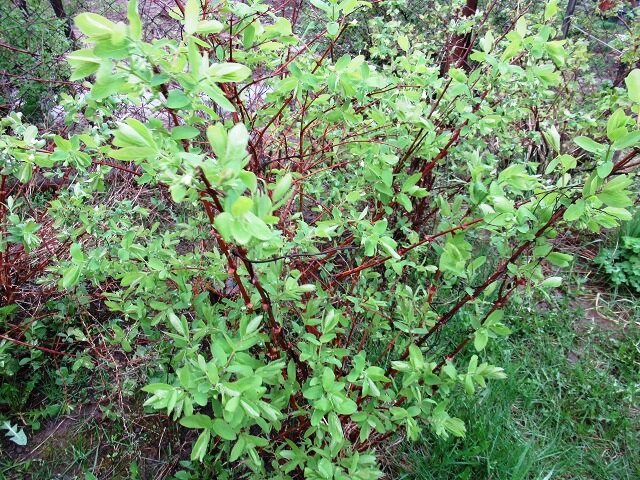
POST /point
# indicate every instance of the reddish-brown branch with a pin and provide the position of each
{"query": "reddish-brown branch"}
(402, 251)
(42, 349)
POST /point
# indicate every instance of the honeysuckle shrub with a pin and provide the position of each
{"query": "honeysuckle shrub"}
(317, 248)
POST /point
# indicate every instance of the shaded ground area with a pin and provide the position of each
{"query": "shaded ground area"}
(95, 443)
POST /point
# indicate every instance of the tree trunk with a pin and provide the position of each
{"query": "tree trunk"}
(22, 5)
(58, 9)
(458, 47)
(566, 23)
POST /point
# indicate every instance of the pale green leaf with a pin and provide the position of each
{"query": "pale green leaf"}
(633, 85)
(201, 446)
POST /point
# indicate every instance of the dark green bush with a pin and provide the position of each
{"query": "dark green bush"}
(32, 47)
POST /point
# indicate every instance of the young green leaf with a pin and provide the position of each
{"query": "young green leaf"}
(589, 145)
(201, 446)
(403, 41)
(191, 16)
(574, 211)
(71, 276)
(135, 24)
(480, 339)
(633, 85)
(228, 72)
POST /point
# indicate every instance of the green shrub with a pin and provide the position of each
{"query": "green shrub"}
(310, 244)
(621, 263)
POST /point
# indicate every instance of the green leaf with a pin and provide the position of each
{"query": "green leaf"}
(389, 245)
(217, 95)
(183, 132)
(556, 52)
(516, 176)
(415, 357)
(250, 409)
(605, 169)
(553, 138)
(217, 136)
(325, 468)
(589, 145)
(480, 339)
(228, 72)
(241, 206)
(84, 63)
(631, 139)
(76, 253)
(177, 99)
(71, 276)
(257, 227)
(321, 5)
(455, 426)
(133, 133)
(135, 25)
(551, 282)
(574, 211)
(633, 85)
(157, 387)
(403, 42)
(253, 325)
(191, 14)
(95, 26)
(208, 27)
(240, 232)
(328, 379)
(617, 120)
(223, 429)
(405, 201)
(222, 223)
(494, 318)
(196, 421)
(178, 192)
(559, 259)
(238, 449)
(568, 162)
(237, 141)
(333, 28)
(450, 370)
(619, 213)
(178, 325)
(615, 198)
(133, 153)
(201, 446)
(25, 173)
(486, 43)
(347, 407)
(550, 9)
(619, 182)
(132, 278)
(282, 187)
(348, 6)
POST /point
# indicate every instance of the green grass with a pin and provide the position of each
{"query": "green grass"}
(567, 410)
